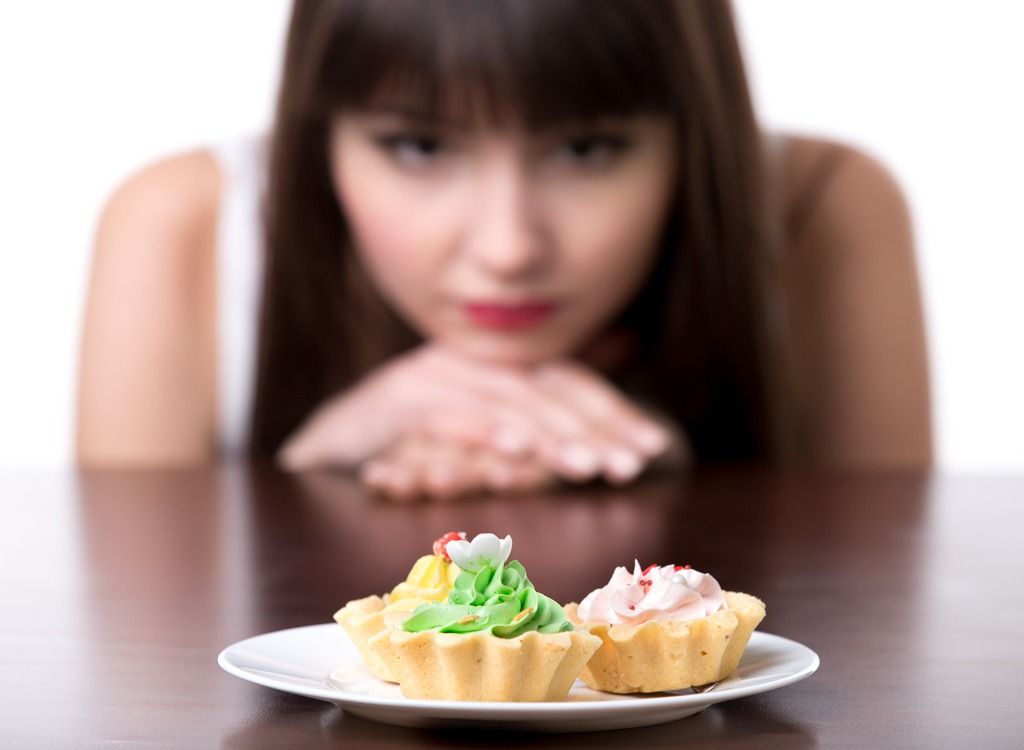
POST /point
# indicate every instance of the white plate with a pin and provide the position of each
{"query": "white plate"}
(319, 661)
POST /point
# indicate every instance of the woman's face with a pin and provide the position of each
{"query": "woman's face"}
(510, 246)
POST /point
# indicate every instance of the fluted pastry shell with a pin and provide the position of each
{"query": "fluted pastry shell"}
(362, 619)
(670, 654)
(482, 667)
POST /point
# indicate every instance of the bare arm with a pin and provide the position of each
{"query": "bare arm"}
(148, 361)
(860, 349)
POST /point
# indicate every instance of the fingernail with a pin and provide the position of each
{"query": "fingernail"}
(623, 465)
(500, 478)
(399, 476)
(509, 441)
(441, 476)
(580, 460)
(374, 473)
(653, 440)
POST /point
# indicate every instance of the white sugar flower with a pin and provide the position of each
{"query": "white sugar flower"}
(483, 550)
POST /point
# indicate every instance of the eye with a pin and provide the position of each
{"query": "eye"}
(412, 150)
(593, 150)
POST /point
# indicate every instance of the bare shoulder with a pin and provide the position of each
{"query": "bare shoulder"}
(856, 310)
(180, 192)
(147, 371)
(160, 221)
(829, 186)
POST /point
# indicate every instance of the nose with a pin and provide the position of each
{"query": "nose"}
(505, 235)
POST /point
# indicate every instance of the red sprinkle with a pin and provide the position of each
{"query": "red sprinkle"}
(441, 544)
(648, 569)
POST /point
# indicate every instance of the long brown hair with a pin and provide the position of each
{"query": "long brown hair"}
(701, 352)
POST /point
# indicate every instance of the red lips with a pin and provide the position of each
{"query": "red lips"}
(510, 316)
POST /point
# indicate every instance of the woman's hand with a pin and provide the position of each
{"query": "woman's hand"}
(574, 423)
(395, 400)
(433, 467)
(425, 466)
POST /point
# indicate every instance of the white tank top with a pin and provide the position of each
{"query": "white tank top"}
(243, 166)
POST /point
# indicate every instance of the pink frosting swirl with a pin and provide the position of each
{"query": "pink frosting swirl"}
(669, 592)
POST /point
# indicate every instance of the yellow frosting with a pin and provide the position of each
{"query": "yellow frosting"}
(430, 580)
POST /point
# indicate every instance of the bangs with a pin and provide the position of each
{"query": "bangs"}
(533, 63)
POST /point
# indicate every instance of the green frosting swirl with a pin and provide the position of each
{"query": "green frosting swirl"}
(498, 600)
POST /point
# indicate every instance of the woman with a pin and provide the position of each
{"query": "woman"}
(512, 242)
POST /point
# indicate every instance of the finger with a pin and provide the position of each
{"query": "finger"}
(621, 465)
(446, 477)
(552, 429)
(618, 439)
(512, 387)
(555, 430)
(462, 426)
(604, 405)
(443, 469)
(504, 474)
(532, 476)
(373, 473)
(461, 404)
(390, 479)
(442, 482)
(617, 462)
(491, 424)
(498, 473)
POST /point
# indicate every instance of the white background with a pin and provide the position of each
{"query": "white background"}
(91, 91)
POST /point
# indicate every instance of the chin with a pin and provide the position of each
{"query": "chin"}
(509, 352)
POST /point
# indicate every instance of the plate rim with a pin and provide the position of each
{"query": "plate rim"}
(509, 709)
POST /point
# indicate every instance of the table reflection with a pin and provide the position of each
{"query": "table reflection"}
(175, 568)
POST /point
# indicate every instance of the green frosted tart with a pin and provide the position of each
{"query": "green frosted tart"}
(499, 600)
(496, 638)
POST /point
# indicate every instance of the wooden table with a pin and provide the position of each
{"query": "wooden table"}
(117, 591)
